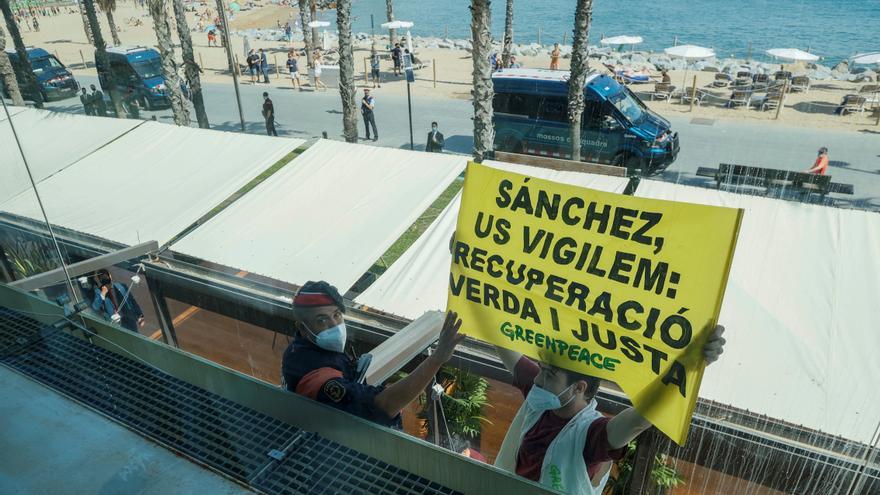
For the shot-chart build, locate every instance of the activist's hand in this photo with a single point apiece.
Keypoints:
(449, 337)
(715, 345)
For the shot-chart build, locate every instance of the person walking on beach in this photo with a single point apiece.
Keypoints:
(435, 140)
(396, 55)
(288, 32)
(86, 101)
(554, 57)
(820, 166)
(375, 75)
(269, 114)
(212, 38)
(100, 106)
(368, 103)
(264, 66)
(293, 68)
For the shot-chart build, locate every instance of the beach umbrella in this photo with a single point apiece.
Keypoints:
(689, 52)
(401, 25)
(622, 40)
(324, 41)
(867, 59)
(317, 24)
(792, 54)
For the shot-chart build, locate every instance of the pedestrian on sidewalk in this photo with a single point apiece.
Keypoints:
(374, 70)
(318, 60)
(269, 114)
(99, 105)
(252, 60)
(293, 68)
(368, 103)
(264, 66)
(820, 166)
(435, 140)
(86, 101)
(396, 55)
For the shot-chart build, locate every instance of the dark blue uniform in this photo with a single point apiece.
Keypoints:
(331, 377)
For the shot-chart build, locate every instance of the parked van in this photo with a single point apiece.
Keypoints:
(141, 69)
(531, 117)
(55, 82)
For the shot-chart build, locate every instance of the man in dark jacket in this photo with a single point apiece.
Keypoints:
(269, 114)
(435, 140)
(115, 301)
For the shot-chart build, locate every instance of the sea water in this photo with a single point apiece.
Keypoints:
(832, 29)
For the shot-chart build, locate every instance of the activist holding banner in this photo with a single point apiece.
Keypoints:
(595, 285)
(315, 363)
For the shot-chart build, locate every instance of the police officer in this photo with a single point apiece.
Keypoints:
(316, 366)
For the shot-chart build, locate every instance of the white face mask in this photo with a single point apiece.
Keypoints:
(332, 339)
(541, 399)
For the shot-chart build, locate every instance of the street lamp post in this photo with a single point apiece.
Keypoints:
(410, 77)
(232, 64)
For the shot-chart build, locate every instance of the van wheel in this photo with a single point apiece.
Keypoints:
(631, 163)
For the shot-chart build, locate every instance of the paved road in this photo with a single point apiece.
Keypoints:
(855, 155)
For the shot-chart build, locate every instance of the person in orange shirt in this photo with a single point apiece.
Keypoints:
(820, 166)
(554, 57)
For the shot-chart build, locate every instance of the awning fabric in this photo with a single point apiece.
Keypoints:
(329, 215)
(149, 183)
(417, 281)
(800, 311)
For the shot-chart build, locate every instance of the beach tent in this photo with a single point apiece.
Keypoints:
(689, 52)
(867, 59)
(793, 54)
(800, 311)
(401, 25)
(149, 183)
(328, 215)
(417, 281)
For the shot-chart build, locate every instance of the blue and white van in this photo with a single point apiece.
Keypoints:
(141, 69)
(531, 117)
(54, 81)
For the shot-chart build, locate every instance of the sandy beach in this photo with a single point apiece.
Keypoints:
(448, 74)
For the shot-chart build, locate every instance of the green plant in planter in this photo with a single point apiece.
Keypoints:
(463, 404)
(663, 476)
(28, 257)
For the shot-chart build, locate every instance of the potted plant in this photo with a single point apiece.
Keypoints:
(463, 401)
(31, 257)
(663, 475)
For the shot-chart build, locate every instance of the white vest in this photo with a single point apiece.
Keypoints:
(563, 468)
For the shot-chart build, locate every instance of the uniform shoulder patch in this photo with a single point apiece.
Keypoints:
(334, 390)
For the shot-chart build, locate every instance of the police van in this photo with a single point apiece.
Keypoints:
(140, 69)
(54, 81)
(531, 117)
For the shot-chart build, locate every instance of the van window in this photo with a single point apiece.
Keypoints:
(516, 104)
(593, 115)
(554, 108)
(43, 63)
(148, 68)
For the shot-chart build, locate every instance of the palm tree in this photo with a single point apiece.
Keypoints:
(7, 74)
(189, 64)
(313, 15)
(579, 67)
(484, 132)
(307, 40)
(108, 6)
(27, 71)
(389, 11)
(86, 26)
(508, 35)
(103, 63)
(159, 13)
(347, 86)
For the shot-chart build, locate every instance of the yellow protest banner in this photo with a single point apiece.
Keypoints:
(622, 288)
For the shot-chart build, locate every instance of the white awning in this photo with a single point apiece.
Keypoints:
(329, 215)
(150, 183)
(800, 313)
(51, 142)
(418, 280)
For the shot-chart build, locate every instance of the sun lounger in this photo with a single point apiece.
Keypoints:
(634, 78)
(662, 91)
(722, 80)
(871, 92)
(800, 83)
(772, 101)
(743, 74)
(761, 78)
(852, 103)
(740, 97)
(699, 98)
(782, 75)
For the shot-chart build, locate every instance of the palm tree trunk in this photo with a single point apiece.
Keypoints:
(30, 80)
(86, 26)
(162, 28)
(307, 40)
(101, 56)
(484, 132)
(508, 35)
(389, 12)
(113, 31)
(7, 73)
(347, 86)
(189, 63)
(313, 15)
(580, 66)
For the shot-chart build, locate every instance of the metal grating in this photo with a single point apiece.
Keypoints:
(204, 426)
